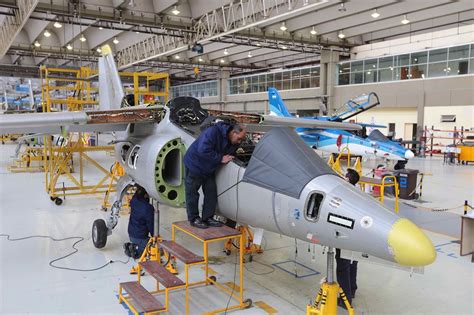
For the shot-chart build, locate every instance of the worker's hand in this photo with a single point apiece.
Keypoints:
(227, 158)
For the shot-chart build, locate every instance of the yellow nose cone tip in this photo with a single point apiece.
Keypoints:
(410, 246)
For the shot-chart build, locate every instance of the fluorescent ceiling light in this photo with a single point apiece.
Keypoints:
(313, 31)
(57, 24)
(101, 28)
(177, 57)
(375, 14)
(341, 35)
(116, 41)
(222, 60)
(47, 33)
(405, 20)
(82, 38)
(226, 52)
(175, 11)
(283, 26)
(200, 59)
(37, 44)
(283, 47)
(69, 47)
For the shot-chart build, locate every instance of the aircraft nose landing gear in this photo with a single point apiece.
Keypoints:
(99, 233)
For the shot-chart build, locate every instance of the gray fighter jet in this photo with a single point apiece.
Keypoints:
(277, 184)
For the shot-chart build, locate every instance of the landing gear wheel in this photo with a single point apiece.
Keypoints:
(99, 233)
(213, 278)
(248, 303)
(58, 201)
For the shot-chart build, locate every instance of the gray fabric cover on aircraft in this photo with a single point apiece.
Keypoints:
(283, 163)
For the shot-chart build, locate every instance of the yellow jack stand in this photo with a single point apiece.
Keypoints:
(326, 300)
(152, 251)
(250, 247)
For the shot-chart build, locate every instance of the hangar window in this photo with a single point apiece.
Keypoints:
(313, 205)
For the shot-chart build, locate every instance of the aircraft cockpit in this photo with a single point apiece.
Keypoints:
(187, 113)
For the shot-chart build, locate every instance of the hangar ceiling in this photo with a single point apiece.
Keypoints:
(239, 36)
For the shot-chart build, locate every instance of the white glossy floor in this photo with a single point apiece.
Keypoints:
(30, 285)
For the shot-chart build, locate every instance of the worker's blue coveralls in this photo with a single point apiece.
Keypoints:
(141, 224)
(201, 162)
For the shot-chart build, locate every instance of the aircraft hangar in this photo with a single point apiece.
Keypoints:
(237, 157)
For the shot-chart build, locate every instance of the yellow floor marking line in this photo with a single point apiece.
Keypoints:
(231, 285)
(267, 308)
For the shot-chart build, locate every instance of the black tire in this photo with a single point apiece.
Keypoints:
(227, 252)
(248, 303)
(99, 233)
(58, 201)
(52, 198)
(213, 278)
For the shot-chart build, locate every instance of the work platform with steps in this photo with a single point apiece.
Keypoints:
(140, 300)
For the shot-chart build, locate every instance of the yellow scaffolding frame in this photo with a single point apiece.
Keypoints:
(150, 77)
(382, 183)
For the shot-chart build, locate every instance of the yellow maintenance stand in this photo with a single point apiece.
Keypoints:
(325, 302)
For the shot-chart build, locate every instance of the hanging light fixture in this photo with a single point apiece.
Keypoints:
(375, 14)
(226, 52)
(46, 33)
(99, 50)
(200, 59)
(341, 35)
(37, 44)
(283, 47)
(405, 20)
(313, 31)
(222, 60)
(175, 11)
(177, 57)
(342, 7)
(249, 54)
(82, 38)
(57, 24)
(115, 41)
(69, 47)
(283, 26)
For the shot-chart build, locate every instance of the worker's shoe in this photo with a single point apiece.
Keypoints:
(198, 223)
(214, 223)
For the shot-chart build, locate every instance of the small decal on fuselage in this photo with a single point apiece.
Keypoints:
(340, 220)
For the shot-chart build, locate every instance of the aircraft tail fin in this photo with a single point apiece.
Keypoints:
(277, 106)
(110, 85)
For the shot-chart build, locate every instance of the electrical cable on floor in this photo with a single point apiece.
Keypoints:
(75, 250)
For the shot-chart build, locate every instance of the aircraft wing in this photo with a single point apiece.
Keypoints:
(372, 125)
(263, 123)
(60, 122)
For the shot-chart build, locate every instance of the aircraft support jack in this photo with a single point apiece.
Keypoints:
(152, 251)
(326, 300)
(102, 229)
(250, 247)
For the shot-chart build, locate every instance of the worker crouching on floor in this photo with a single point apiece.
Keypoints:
(346, 271)
(141, 224)
(215, 146)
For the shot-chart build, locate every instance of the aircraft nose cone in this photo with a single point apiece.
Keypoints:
(409, 154)
(410, 246)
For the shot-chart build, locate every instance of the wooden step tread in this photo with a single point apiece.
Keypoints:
(141, 297)
(160, 273)
(211, 233)
(181, 253)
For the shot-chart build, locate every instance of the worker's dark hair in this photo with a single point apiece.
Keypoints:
(140, 193)
(352, 176)
(236, 128)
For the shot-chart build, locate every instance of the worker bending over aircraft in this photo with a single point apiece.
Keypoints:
(215, 146)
